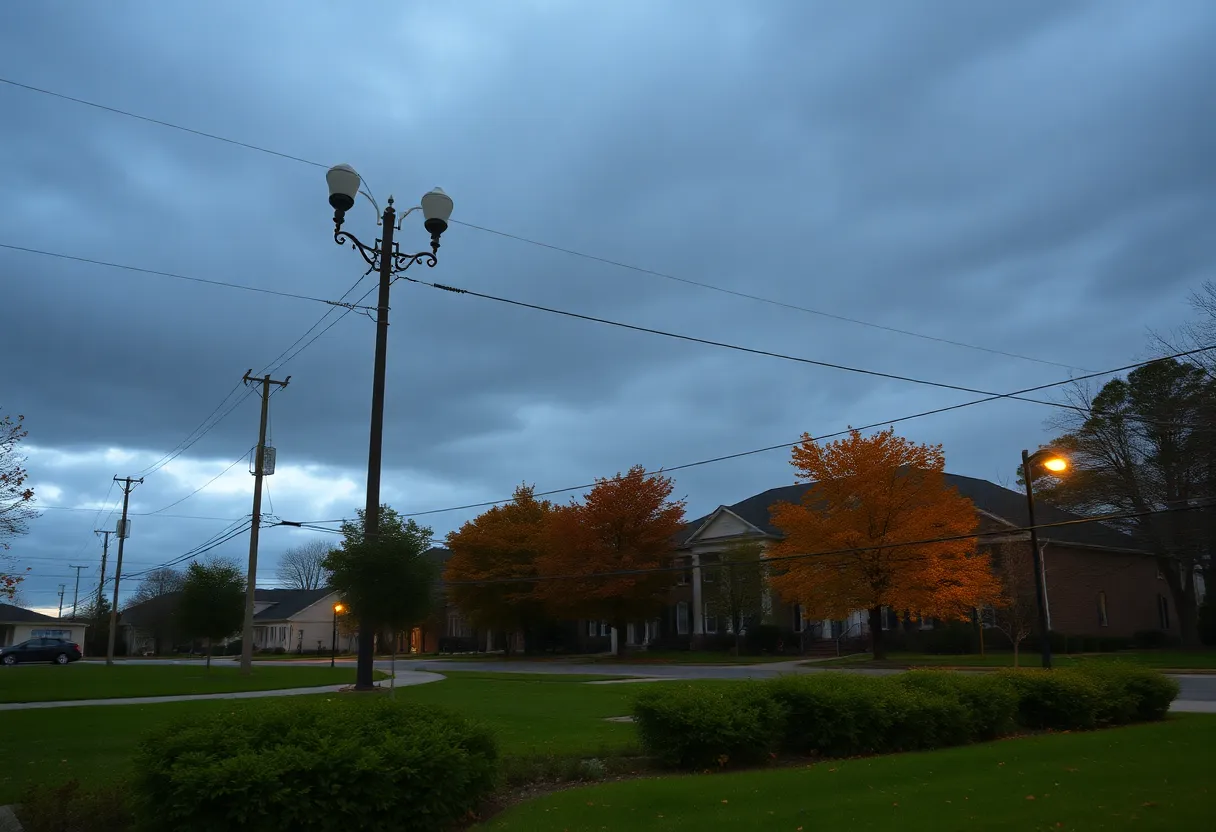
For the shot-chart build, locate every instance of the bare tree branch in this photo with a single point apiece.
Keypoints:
(302, 567)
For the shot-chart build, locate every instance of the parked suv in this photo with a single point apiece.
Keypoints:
(54, 650)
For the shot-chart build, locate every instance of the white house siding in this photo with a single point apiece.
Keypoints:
(304, 630)
(16, 633)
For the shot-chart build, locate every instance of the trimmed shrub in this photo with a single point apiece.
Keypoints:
(1060, 700)
(1207, 622)
(703, 726)
(1132, 693)
(990, 702)
(1154, 639)
(841, 715)
(316, 765)
(763, 638)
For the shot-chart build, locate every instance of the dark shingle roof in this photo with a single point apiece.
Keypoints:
(989, 497)
(286, 602)
(10, 614)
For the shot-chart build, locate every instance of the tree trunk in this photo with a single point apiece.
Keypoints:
(208, 654)
(877, 647)
(1015, 651)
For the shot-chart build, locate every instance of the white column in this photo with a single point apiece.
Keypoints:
(698, 606)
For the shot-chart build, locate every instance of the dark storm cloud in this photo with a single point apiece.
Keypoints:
(1033, 177)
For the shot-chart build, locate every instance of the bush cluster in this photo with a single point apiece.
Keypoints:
(838, 714)
(315, 765)
(703, 726)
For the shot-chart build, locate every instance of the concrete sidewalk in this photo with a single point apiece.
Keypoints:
(404, 680)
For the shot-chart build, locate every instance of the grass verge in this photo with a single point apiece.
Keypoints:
(538, 720)
(1153, 776)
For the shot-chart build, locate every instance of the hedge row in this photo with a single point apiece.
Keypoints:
(839, 715)
(315, 765)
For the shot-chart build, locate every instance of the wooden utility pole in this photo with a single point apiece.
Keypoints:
(123, 531)
(259, 471)
(62, 589)
(76, 591)
(105, 553)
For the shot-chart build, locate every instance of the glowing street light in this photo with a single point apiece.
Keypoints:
(339, 608)
(1054, 463)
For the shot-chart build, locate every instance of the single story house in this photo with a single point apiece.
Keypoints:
(18, 624)
(298, 621)
(284, 620)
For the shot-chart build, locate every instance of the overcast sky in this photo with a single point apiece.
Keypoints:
(1028, 177)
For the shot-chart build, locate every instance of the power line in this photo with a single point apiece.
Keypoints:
(168, 124)
(212, 542)
(767, 353)
(761, 298)
(141, 513)
(619, 573)
(783, 445)
(202, 429)
(174, 275)
(204, 485)
(572, 252)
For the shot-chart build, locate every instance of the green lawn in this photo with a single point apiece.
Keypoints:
(44, 683)
(1156, 776)
(533, 715)
(1162, 659)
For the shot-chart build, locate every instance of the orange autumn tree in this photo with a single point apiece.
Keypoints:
(502, 544)
(625, 523)
(872, 492)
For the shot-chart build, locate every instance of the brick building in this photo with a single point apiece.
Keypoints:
(1098, 583)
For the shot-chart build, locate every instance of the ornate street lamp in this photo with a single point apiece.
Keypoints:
(387, 258)
(1055, 463)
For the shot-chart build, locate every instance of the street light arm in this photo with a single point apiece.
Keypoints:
(405, 214)
(402, 261)
(370, 254)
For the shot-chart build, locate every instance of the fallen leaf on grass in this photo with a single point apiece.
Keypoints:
(1030, 797)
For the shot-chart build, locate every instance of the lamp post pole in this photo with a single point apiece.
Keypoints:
(1037, 560)
(333, 638)
(386, 258)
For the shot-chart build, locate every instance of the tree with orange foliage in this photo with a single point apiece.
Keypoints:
(872, 492)
(502, 543)
(624, 523)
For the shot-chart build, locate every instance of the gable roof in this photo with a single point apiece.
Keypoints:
(11, 614)
(1002, 503)
(284, 603)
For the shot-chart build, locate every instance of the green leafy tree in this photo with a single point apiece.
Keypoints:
(388, 583)
(1147, 443)
(212, 605)
(736, 592)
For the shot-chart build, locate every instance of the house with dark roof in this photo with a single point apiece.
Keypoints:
(284, 620)
(18, 624)
(1098, 582)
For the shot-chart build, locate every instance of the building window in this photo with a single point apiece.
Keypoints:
(1163, 612)
(711, 622)
(684, 575)
(605, 630)
(1102, 620)
(682, 618)
(799, 619)
(709, 569)
(593, 628)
